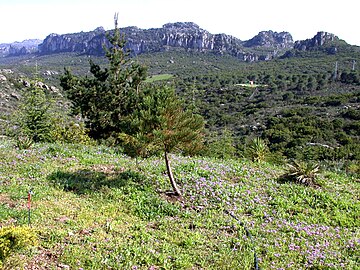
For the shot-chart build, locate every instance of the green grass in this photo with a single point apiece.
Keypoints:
(253, 85)
(159, 77)
(94, 208)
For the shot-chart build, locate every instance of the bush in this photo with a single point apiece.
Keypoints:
(38, 120)
(14, 239)
(69, 131)
(258, 150)
(302, 172)
(221, 145)
(353, 114)
(353, 168)
(33, 116)
(23, 142)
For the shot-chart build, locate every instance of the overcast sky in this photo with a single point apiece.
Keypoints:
(25, 19)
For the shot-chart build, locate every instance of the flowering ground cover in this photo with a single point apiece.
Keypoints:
(94, 208)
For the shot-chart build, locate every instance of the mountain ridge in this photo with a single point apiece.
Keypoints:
(188, 36)
(26, 46)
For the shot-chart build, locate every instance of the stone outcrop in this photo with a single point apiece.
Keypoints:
(187, 36)
(322, 42)
(271, 39)
(20, 48)
(77, 42)
(184, 35)
(320, 39)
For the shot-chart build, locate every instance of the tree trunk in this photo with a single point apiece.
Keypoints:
(171, 176)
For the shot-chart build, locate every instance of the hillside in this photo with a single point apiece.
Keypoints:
(93, 208)
(307, 98)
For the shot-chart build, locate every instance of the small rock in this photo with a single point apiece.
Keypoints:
(15, 95)
(63, 266)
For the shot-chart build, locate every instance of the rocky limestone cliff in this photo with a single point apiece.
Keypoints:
(320, 39)
(20, 48)
(323, 42)
(77, 42)
(185, 35)
(173, 35)
(271, 39)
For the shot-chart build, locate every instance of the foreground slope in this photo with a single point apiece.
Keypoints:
(94, 208)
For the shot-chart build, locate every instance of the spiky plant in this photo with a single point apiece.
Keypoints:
(303, 172)
(258, 150)
(23, 142)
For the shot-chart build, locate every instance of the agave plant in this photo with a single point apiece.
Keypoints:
(258, 150)
(303, 172)
(23, 142)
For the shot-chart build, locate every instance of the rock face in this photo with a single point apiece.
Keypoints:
(322, 42)
(271, 39)
(20, 48)
(320, 39)
(174, 36)
(184, 35)
(77, 42)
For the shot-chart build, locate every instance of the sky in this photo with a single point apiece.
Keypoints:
(28, 19)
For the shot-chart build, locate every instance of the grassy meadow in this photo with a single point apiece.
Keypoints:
(158, 77)
(94, 208)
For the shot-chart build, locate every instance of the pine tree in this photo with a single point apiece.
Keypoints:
(146, 120)
(106, 100)
(164, 126)
(34, 115)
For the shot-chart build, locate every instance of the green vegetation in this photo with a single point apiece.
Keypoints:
(303, 172)
(95, 208)
(305, 112)
(109, 97)
(38, 120)
(220, 145)
(13, 239)
(164, 126)
(258, 150)
(143, 119)
(159, 77)
(33, 116)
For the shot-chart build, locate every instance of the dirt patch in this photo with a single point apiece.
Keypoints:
(106, 168)
(170, 196)
(44, 260)
(6, 200)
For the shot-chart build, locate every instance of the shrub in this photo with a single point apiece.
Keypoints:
(33, 116)
(14, 239)
(222, 145)
(353, 168)
(69, 131)
(23, 142)
(258, 150)
(302, 172)
(353, 114)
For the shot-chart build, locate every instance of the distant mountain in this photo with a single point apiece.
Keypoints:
(20, 48)
(322, 42)
(271, 39)
(187, 36)
(320, 39)
(183, 35)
